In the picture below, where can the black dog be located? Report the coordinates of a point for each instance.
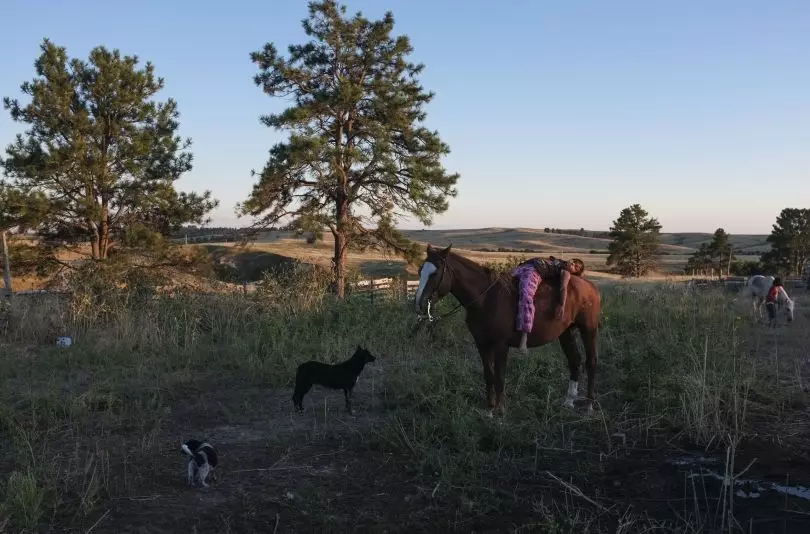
(341, 376)
(202, 459)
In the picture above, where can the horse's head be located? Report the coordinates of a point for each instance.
(435, 278)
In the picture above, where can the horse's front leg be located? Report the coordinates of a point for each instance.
(501, 357)
(488, 362)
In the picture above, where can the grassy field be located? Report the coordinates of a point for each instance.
(689, 390)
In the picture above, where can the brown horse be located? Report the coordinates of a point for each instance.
(491, 300)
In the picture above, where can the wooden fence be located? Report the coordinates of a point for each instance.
(732, 283)
(738, 282)
(377, 286)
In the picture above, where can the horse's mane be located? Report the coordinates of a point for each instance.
(495, 276)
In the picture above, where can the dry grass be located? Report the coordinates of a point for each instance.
(91, 433)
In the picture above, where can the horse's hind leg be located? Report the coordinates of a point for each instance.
(589, 339)
(569, 347)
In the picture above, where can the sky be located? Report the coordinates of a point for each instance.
(557, 114)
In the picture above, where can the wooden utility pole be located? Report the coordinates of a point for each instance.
(6, 268)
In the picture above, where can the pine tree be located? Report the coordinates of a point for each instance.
(721, 252)
(790, 243)
(100, 155)
(357, 157)
(636, 239)
(700, 262)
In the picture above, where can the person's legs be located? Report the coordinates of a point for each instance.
(529, 280)
(771, 306)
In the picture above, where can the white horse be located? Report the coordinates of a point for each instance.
(756, 288)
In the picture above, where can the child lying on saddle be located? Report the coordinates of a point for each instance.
(531, 274)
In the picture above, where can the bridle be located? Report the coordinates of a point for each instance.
(430, 318)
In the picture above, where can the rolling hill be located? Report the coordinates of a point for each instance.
(538, 240)
(496, 244)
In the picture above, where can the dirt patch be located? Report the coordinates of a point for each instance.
(321, 472)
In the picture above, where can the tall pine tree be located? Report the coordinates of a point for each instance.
(721, 251)
(100, 155)
(636, 238)
(790, 243)
(358, 156)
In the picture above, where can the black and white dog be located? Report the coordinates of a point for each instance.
(202, 459)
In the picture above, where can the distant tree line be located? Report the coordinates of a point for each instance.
(582, 232)
(636, 245)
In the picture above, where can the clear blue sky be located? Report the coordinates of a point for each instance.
(698, 110)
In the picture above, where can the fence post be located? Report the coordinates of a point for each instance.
(6, 268)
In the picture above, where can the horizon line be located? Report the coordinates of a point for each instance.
(505, 228)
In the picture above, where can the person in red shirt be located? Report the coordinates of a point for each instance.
(772, 298)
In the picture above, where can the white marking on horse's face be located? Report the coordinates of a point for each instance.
(427, 270)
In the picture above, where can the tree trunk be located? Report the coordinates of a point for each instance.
(104, 241)
(104, 234)
(6, 266)
(339, 264)
(341, 246)
(101, 244)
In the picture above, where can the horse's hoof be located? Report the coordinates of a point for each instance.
(568, 403)
(588, 404)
